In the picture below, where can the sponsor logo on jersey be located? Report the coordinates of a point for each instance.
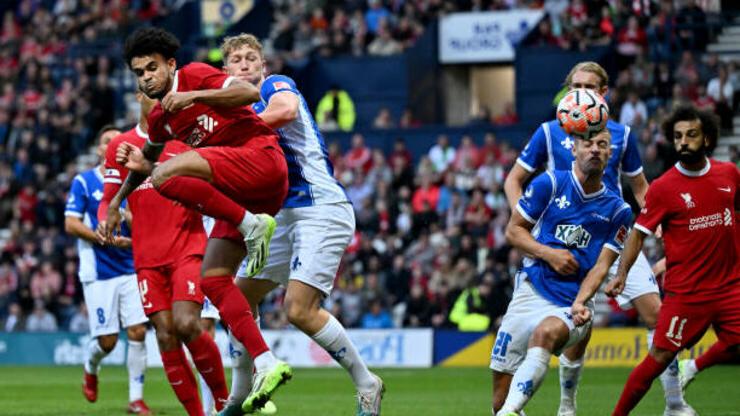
(711, 221)
(280, 85)
(621, 236)
(725, 189)
(687, 200)
(572, 235)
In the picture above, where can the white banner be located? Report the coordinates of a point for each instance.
(379, 348)
(484, 36)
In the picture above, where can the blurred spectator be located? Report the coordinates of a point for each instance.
(631, 42)
(336, 110)
(41, 320)
(375, 16)
(442, 154)
(508, 117)
(471, 309)
(721, 90)
(691, 20)
(633, 112)
(15, 320)
(45, 283)
(384, 44)
(378, 317)
(426, 194)
(383, 120)
(407, 120)
(418, 309)
(359, 157)
(79, 322)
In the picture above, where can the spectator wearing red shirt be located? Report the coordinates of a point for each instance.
(466, 151)
(427, 192)
(631, 41)
(477, 215)
(360, 156)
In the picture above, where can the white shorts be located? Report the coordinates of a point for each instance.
(640, 281)
(526, 310)
(209, 310)
(308, 245)
(113, 304)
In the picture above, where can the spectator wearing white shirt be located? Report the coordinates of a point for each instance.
(634, 111)
(721, 91)
(41, 320)
(79, 322)
(442, 154)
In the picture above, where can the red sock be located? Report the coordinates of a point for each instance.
(638, 384)
(719, 353)
(201, 196)
(235, 312)
(181, 379)
(207, 360)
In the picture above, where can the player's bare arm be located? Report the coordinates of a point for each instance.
(75, 227)
(639, 185)
(631, 250)
(589, 286)
(140, 163)
(514, 184)
(281, 110)
(519, 235)
(239, 93)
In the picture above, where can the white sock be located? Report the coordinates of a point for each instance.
(249, 221)
(333, 338)
(265, 361)
(205, 396)
(527, 379)
(570, 375)
(669, 379)
(136, 363)
(95, 354)
(691, 369)
(242, 368)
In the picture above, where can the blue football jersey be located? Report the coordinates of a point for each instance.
(550, 148)
(565, 217)
(310, 173)
(96, 262)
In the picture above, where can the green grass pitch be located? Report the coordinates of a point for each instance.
(328, 392)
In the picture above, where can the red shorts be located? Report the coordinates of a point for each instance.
(681, 323)
(160, 286)
(255, 176)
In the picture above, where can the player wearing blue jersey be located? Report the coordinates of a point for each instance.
(314, 228)
(109, 283)
(550, 148)
(571, 228)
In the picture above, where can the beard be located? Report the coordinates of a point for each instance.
(690, 157)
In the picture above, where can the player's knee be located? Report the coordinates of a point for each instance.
(297, 312)
(546, 337)
(136, 332)
(166, 338)
(662, 356)
(107, 342)
(187, 327)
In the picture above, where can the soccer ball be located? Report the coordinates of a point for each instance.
(582, 113)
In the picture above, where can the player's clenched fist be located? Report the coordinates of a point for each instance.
(133, 158)
(581, 314)
(562, 261)
(176, 101)
(615, 287)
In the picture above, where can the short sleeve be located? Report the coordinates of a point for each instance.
(534, 154)
(115, 173)
(631, 162)
(275, 84)
(159, 131)
(621, 223)
(653, 212)
(77, 198)
(536, 197)
(202, 76)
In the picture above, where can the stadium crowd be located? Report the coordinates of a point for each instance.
(429, 248)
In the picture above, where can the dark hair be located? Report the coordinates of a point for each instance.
(105, 129)
(148, 41)
(709, 124)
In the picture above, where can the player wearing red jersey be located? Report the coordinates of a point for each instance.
(169, 241)
(237, 169)
(695, 202)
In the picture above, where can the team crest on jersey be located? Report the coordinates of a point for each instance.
(687, 200)
(562, 202)
(567, 143)
(573, 235)
(97, 195)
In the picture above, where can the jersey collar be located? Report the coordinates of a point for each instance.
(583, 193)
(174, 81)
(694, 173)
(140, 132)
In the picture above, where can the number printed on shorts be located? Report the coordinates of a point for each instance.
(502, 344)
(101, 315)
(675, 335)
(143, 289)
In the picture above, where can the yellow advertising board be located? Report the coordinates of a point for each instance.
(609, 347)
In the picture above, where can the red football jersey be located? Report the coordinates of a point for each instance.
(162, 231)
(200, 125)
(697, 214)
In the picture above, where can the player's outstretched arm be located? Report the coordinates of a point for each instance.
(589, 286)
(514, 184)
(281, 110)
(518, 234)
(639, 186)
(75, 227)
(631, 250)
(238, 94)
